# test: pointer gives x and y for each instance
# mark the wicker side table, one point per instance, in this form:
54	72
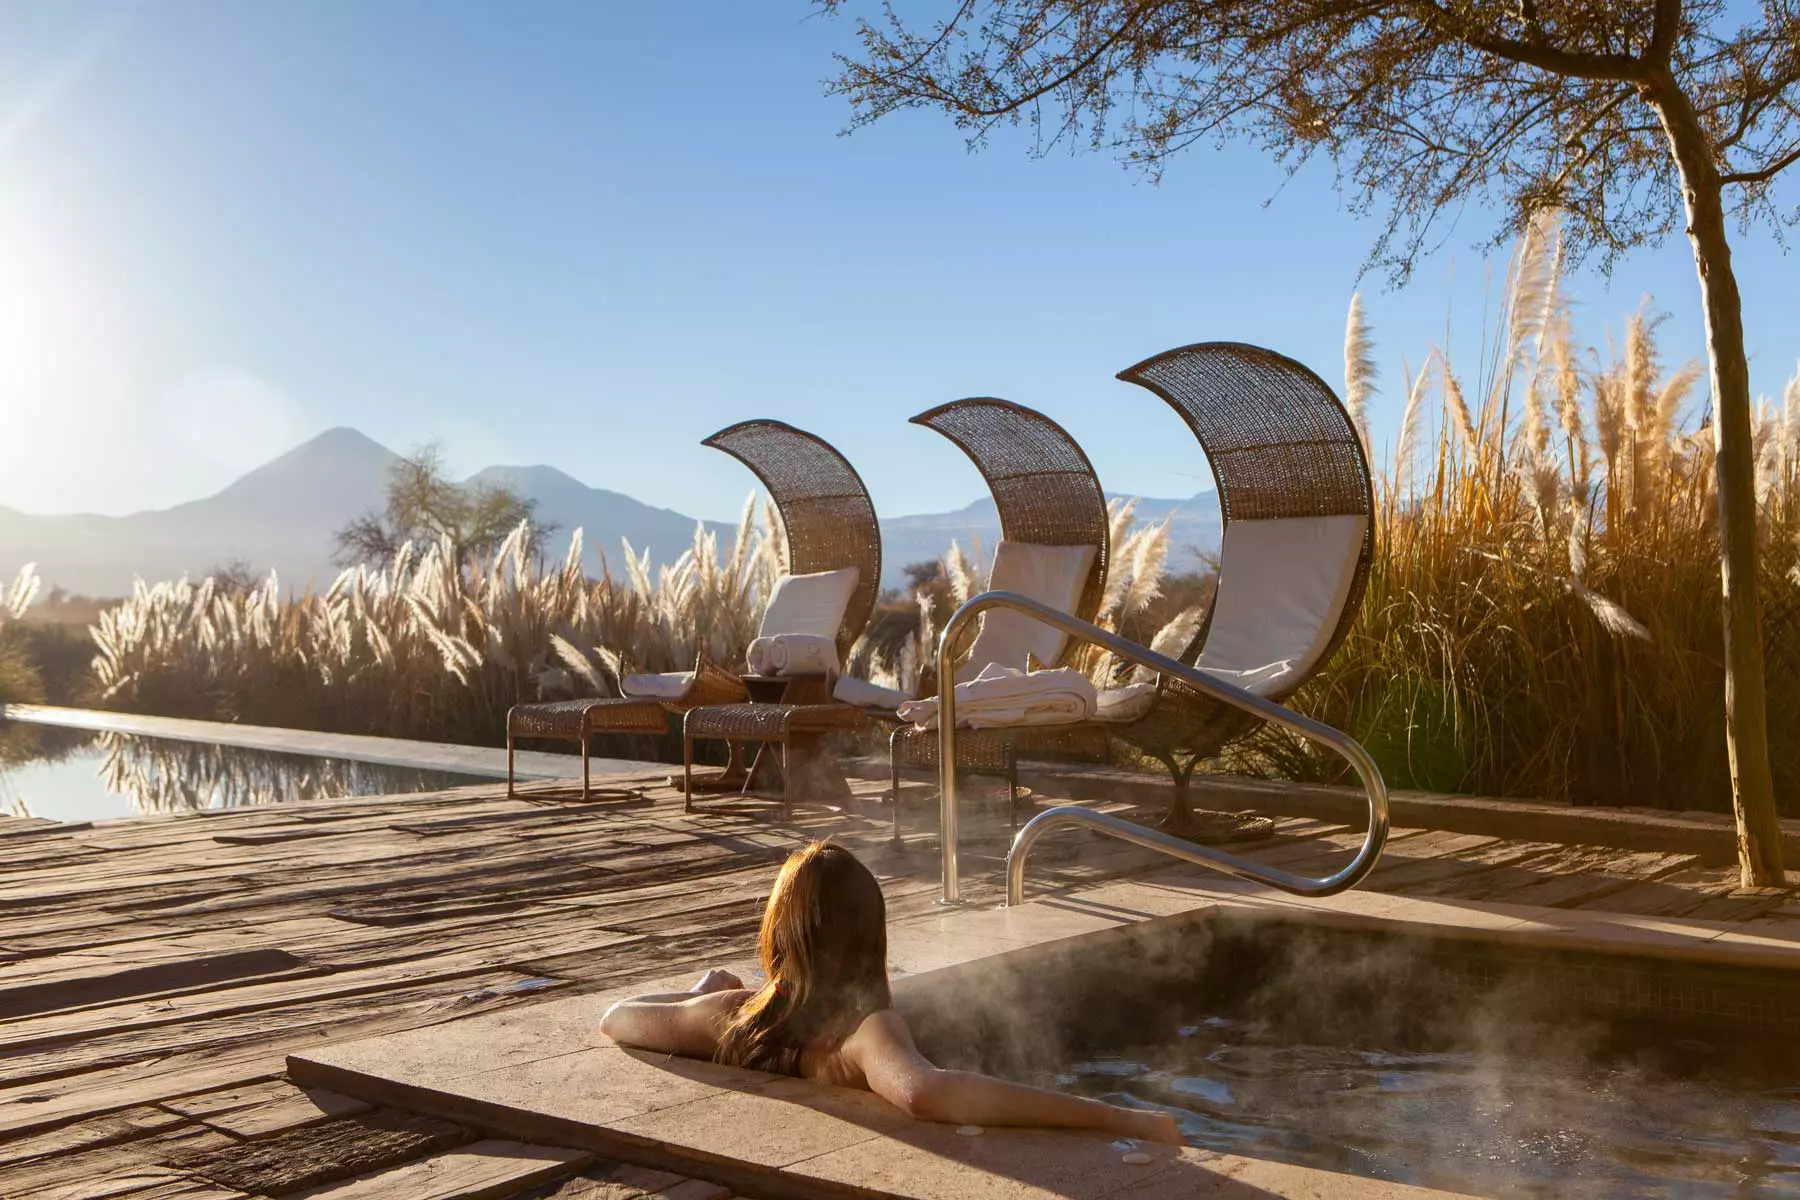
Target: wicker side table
808	771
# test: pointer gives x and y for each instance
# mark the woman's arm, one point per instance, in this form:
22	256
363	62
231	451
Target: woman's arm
882	1047
685	1023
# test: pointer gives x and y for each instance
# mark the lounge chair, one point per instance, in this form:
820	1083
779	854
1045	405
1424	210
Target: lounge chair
1051	508
1297	502
831	550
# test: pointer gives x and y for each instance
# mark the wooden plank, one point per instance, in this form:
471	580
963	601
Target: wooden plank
172	945
319	1154
275	837
113	1162
1674	894
369	911
123	1184
1471	865
1728	907
259	1109
609	1181
105	1130
185	1189
486	1170
1579	879
103	1083
512	821
25	1033
94	1049
528	930
106	983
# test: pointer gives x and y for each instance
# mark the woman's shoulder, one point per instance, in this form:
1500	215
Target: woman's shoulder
884	1025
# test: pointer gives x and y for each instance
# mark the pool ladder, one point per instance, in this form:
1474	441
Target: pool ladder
1070	816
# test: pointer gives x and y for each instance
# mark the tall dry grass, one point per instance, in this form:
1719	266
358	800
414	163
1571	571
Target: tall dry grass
425	648
21	682
1543	617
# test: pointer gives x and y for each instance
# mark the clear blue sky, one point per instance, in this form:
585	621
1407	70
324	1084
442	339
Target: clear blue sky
590	234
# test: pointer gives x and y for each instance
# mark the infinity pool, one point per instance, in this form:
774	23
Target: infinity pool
79	776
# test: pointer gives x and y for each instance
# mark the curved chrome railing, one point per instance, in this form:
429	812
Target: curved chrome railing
1071	815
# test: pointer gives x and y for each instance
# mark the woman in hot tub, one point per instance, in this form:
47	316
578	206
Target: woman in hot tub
825	1014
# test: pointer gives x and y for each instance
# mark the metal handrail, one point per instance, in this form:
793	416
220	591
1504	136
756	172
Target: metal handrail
1069	815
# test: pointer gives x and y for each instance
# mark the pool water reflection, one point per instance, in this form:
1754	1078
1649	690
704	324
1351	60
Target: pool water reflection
70	775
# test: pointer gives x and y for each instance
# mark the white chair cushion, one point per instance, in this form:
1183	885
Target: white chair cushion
670	686
1052	575
1259	681
1282	587
812	604
1126	703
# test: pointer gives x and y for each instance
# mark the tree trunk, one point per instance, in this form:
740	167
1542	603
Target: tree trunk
1746	705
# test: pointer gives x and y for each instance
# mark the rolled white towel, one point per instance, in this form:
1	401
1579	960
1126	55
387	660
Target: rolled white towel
792	654
863	694
1002	696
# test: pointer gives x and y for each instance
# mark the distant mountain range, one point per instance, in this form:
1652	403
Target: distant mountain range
284	514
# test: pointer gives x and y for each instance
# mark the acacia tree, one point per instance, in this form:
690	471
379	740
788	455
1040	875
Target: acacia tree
1632	118
425	505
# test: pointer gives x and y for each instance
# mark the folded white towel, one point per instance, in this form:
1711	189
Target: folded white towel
669	686
793	654
1001	696
863	694
1126	703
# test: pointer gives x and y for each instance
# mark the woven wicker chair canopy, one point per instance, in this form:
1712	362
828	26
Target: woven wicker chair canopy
1278	440
827	519
1041	480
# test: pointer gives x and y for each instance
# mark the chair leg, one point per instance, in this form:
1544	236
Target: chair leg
787	782
509	758
687	769
894	788
1181	808
585	788
1012	790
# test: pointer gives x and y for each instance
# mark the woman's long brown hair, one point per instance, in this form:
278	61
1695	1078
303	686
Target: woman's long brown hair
824	953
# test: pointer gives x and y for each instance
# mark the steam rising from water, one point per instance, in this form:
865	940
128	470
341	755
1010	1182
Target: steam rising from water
1382	1057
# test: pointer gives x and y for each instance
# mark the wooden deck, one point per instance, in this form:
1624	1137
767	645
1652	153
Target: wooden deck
154	973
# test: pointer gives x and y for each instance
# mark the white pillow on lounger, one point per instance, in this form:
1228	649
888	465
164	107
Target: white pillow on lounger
1282	587
668	686
812	604
1052	575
